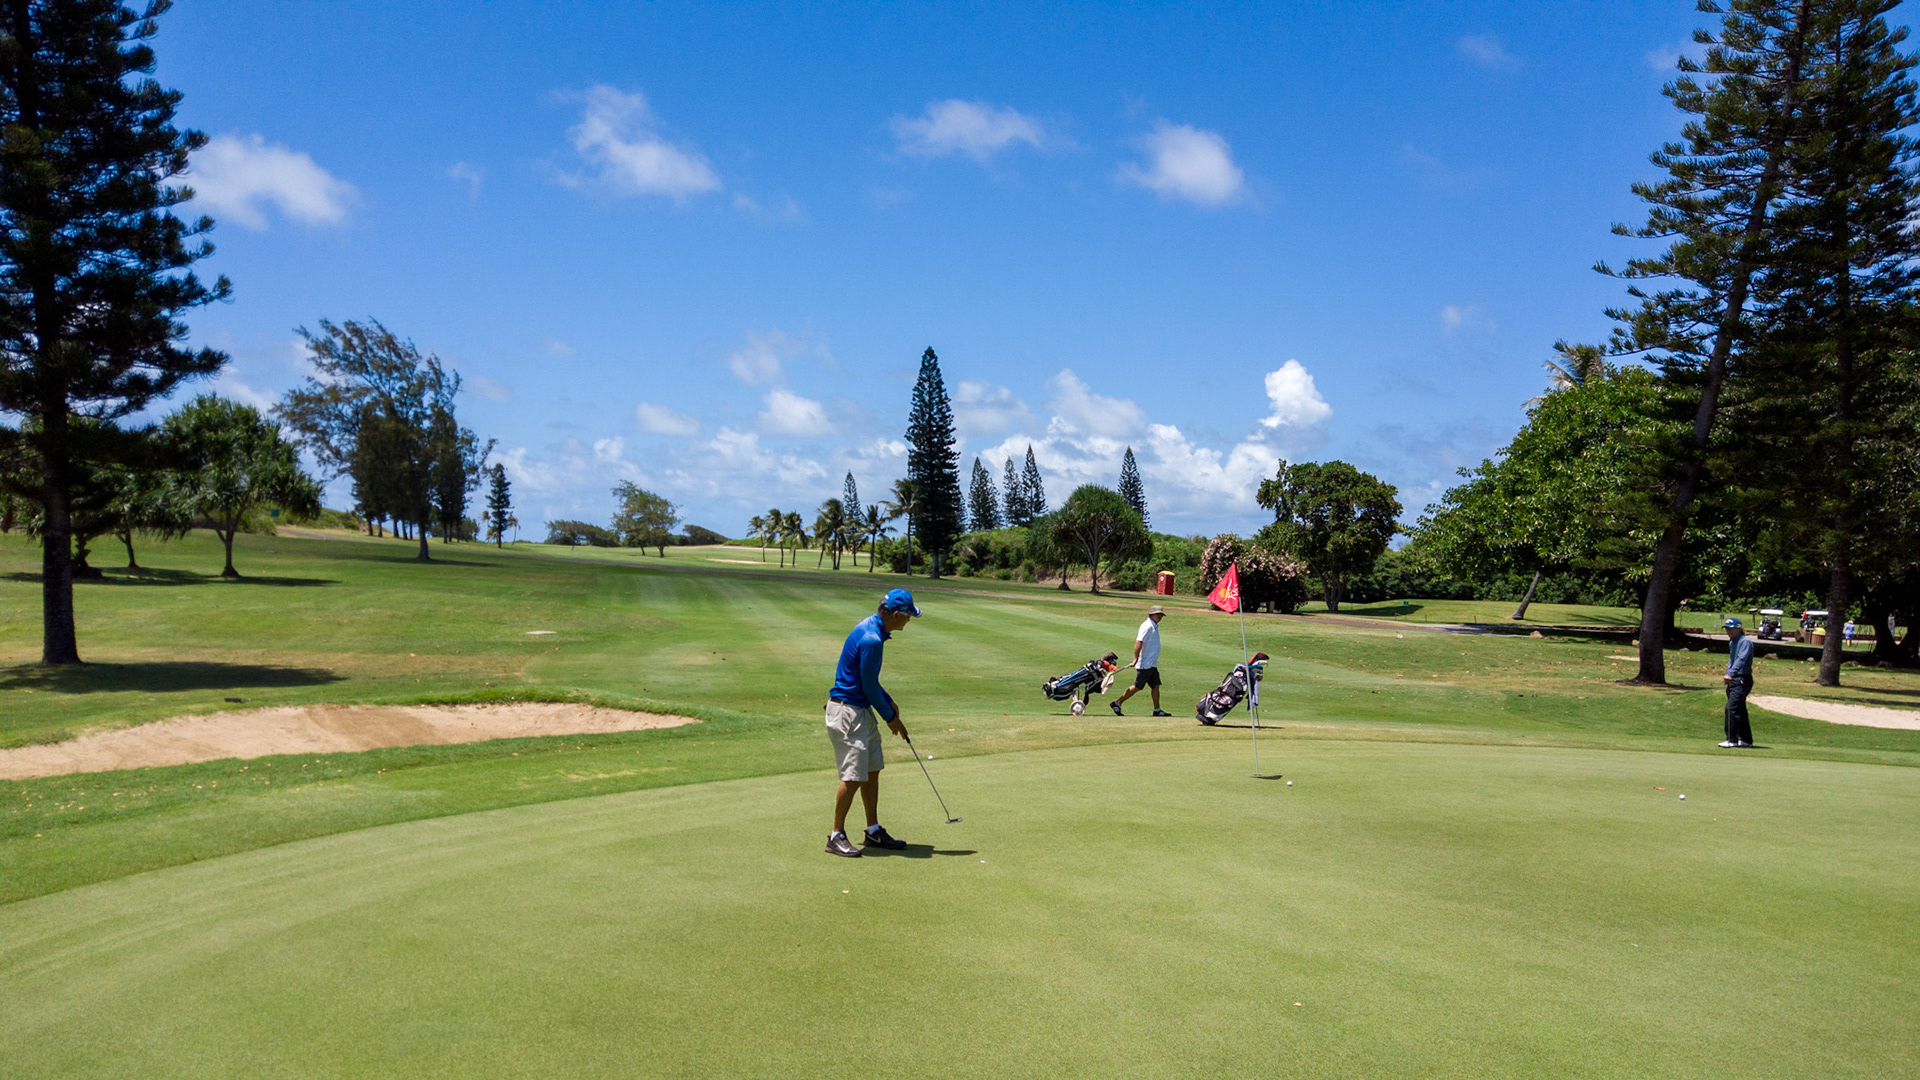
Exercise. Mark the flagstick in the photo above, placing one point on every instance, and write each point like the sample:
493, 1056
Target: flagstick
1252, 709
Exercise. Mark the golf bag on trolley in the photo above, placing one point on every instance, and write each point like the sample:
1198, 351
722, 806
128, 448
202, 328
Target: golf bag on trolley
1242, 682
1092, 677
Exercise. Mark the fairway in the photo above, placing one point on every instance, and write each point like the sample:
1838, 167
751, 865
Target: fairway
1483, 866
1135, 910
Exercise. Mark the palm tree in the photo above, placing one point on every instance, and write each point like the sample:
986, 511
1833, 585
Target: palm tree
830, 528
1578, 365
791, 527
757, 526
904, 504
876, 529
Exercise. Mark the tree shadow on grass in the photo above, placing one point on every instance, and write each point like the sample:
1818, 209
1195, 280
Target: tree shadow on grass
158, 677
915, 851
1374, 611
180, 577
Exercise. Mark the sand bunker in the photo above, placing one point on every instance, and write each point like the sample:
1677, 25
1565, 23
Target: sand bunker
1835, 713
315, 729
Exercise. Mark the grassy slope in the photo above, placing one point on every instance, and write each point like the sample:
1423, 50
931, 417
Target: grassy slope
1132, 910
746, 649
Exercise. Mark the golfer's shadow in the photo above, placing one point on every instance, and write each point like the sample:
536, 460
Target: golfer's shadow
1248, 727
914, 851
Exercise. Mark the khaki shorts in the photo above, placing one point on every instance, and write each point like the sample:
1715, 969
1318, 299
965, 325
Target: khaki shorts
855, 735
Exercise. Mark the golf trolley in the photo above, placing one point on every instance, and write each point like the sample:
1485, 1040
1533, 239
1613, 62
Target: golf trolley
1242, 682
1093, 677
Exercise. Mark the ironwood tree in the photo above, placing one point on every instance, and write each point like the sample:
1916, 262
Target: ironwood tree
983, 502
95, 267
1715, 210
933, 464
1131, 489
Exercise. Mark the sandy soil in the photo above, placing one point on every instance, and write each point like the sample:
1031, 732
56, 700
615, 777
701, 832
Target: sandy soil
1835, 713
314, 729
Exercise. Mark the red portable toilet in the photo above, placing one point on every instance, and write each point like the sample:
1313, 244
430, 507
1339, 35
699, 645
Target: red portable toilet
1164, 584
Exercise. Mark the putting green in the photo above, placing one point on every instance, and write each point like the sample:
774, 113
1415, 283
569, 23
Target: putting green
1142, 909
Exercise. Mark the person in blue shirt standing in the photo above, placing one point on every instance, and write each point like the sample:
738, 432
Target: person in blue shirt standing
853, 704
1739, 680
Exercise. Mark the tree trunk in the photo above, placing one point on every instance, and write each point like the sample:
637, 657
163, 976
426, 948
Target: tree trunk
1521, 611
425, 555
127, 539
59, 643
226, 538
1332, 589
1666, 556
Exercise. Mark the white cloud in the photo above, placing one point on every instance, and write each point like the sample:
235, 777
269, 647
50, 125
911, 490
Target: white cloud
1296, 401
981, 409
734, 464
228, 385
1455, 318
490, 389
786, 210
556, 347
763, 358
1186, 163
660, 420
973, 128
787, 413
616, 137
237, 177
1485, 50
1087, 433
471, 175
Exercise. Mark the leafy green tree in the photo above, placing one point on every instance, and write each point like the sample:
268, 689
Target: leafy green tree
499, 503
380, 410
644, 519
241, 464
1131, 489
94, 265
580, 534
933, 463
147, 500
1099, 524
1577, 488
1033, 492
1333, 517
982, 500
1715, 211
792, 531
1048, 554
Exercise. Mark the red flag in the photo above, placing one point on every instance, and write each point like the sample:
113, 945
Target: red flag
1226, 595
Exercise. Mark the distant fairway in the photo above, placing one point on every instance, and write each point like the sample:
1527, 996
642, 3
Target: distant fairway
1141, 910
1476, 873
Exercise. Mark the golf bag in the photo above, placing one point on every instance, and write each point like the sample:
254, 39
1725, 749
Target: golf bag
1242, 682
1092, 677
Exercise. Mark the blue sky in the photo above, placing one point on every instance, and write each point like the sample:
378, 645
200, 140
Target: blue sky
702, 247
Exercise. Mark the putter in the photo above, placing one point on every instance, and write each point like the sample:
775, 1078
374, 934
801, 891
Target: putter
936, 791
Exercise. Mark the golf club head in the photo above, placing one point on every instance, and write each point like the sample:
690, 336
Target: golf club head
954, 821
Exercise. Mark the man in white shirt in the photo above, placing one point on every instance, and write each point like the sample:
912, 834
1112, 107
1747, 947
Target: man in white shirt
1146, 662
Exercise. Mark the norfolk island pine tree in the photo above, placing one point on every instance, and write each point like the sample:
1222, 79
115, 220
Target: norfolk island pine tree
933, 464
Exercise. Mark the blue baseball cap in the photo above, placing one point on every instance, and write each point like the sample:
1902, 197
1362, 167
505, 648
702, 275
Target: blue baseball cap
1732, 624
900, 600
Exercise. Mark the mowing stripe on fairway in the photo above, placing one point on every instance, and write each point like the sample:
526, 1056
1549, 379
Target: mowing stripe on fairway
1142, 910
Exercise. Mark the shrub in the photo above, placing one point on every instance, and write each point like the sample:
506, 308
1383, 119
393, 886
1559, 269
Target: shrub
578, 533
1275, 582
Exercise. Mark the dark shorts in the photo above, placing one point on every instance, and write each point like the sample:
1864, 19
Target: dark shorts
1145, 677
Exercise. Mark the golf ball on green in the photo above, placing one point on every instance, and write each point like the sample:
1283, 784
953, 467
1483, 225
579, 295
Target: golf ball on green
1289, 783
1683, 796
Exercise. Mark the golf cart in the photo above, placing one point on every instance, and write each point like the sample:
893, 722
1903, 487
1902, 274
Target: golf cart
1766, 625
1813, 627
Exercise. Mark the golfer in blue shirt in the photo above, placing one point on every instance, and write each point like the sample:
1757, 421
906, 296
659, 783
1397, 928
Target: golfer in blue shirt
1739, 680
853, 704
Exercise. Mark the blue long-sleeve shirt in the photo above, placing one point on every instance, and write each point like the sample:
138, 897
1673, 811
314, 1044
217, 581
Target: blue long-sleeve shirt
1740, 657
856, 681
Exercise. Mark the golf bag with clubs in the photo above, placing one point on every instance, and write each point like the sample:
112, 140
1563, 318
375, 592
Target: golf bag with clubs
1092, 677
1242, 682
